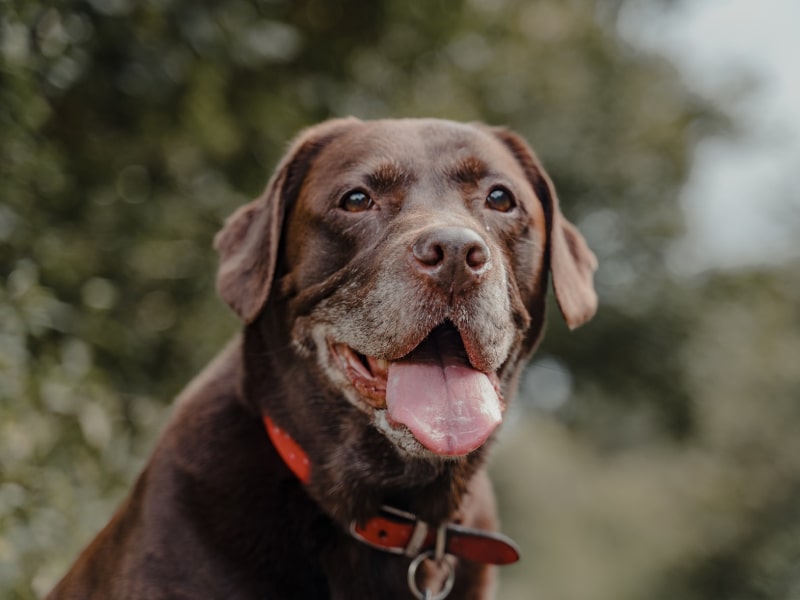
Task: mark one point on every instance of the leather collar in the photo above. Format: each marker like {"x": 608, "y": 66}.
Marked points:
{"x": 400, "y": 532}
{"x": 289, "y": 450}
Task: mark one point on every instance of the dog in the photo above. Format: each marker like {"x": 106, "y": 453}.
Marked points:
{"x": 392, "y": 282}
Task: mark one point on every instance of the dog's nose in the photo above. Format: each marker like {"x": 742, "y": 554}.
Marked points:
{"x": 452, "y": 256}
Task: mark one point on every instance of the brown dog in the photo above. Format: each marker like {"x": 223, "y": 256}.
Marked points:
{"x": 392, "y": 281}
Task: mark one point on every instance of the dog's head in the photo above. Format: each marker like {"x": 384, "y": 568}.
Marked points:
{"x": 407, "y": 262}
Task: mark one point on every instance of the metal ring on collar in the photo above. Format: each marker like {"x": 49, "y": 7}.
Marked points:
{"x": 412, "y": 578}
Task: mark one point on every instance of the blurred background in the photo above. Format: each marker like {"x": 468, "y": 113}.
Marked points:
{"x": 652, "y": 454}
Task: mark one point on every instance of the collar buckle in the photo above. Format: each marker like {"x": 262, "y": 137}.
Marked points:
{"x": 388, "y": 532}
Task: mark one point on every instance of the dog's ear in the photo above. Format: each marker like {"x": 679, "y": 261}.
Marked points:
{"x": 249, "y": 241}
{"x": 572, "y": 263}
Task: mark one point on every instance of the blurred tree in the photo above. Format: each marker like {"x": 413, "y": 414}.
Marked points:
{"x": 131, "y": 129}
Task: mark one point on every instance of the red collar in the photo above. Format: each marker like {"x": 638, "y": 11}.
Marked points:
{"x": 289, "y": 450}
{"x": 400, "y": 532}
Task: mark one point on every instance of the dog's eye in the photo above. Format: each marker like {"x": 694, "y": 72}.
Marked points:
{"x": 500, "y": 199}
{"x": 356, "y": 201}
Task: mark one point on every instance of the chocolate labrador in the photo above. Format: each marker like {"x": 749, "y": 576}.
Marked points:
{"x": 392, "y": 282}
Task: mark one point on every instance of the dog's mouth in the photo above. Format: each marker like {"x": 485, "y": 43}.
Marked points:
{"x": 449, "y": 406}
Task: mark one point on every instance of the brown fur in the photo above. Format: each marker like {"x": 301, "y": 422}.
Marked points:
{"x": 216, "y": 513}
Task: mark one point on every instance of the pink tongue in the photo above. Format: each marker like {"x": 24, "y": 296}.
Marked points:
{"x": 450, "y": 407}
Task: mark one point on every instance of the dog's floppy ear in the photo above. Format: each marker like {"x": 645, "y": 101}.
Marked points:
{"x": 572, "y": 263}
{"x": 248, "y": 243}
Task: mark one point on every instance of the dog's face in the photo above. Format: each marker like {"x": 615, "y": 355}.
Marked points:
{"x": 410, "y": 258}
{"x": 430, "y": 222}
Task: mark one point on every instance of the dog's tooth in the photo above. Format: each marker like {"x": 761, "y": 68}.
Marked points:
{"x": 379, "y": 366}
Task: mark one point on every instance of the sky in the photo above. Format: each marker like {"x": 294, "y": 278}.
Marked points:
{"x": 742, "y": 200}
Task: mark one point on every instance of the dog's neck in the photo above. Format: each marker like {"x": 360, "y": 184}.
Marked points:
{"x": 399, "y": 532}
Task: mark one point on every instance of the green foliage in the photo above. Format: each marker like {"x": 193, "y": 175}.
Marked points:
{"x": 129, "y": 130}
